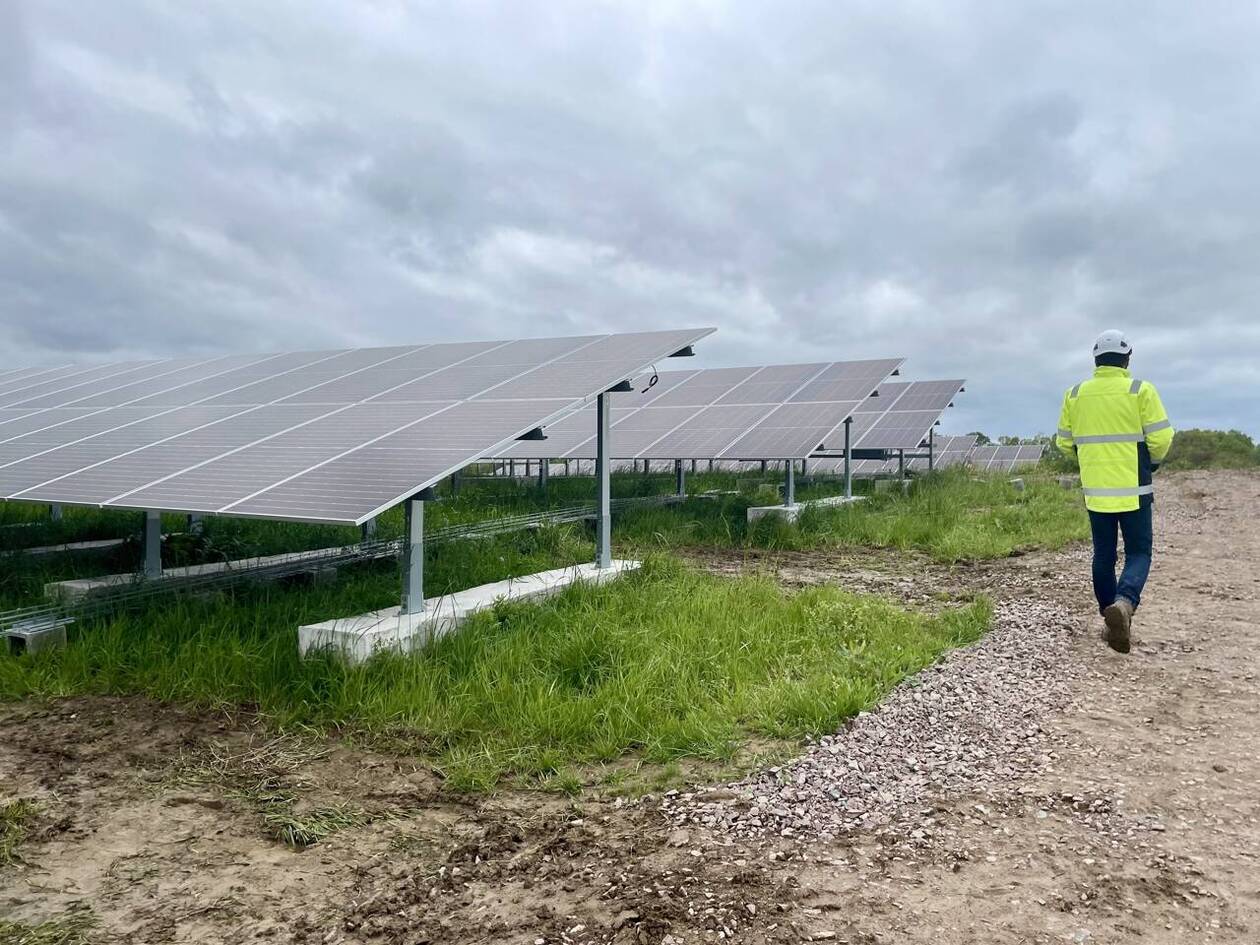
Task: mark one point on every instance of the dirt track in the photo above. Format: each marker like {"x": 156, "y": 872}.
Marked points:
{"x": 1143, "y": 825}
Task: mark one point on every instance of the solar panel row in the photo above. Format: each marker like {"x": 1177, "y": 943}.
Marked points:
{"x": 948, "y": 451}
{"x": 775, "y": 412}
{"x": 903, "y": 413}
{"x": 328, "y": 436}
{"x": 1007, "y": 458}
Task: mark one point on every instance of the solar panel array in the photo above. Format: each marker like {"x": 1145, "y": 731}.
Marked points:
{"x": 899, "y": 418}
{"x": 947, "y": 451}
{"x": 902, "y": 415}
{"x": 1006, "y": 458}
{"x": 778, "y": 412}
{"x": 326, "y": 436}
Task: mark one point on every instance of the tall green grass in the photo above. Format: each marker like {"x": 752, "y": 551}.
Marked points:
{"x": 667, "y": 663}
{"x": 28, "y": 525}
{"x": 951, "y": 515}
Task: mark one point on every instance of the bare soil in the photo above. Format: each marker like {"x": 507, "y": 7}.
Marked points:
{"x": 166, "y": 825}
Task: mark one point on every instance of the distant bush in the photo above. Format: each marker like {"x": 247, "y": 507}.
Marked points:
{"x": 1191, "y": 449}
{"x": 1212, "y": 449}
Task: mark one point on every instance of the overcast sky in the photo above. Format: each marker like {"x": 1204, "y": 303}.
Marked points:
{"x": 981, "y": 187}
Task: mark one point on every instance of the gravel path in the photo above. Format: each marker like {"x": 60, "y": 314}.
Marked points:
{"x": 969, "y": 726}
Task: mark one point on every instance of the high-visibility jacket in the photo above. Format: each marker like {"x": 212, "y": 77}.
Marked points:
{"x": 1119, "y": 430}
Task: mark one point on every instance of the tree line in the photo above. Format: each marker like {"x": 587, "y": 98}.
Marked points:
{"x": 1191, "y": 449}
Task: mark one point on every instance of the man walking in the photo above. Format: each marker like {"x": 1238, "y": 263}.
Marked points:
{"x": 1120, "y": 433}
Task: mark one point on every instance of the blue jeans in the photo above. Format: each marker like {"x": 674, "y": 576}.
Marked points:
{"x": 1138, "y": 535}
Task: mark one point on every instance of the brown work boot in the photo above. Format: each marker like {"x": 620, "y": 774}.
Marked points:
{"x": 1119, "y": 619}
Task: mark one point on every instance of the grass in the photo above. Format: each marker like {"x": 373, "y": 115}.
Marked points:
{"x": 70, "y": 928}
{"x": 25, "y": 525}
{"x": 301, "y": 830}
{"x": 952, "y": 515}
{"x": 670, "y": 663}
{"x": 448, "y": 567}
{"x": 606, "y": 683}
{"x": 256, "y": 776}
{"x": 16, "y": 820}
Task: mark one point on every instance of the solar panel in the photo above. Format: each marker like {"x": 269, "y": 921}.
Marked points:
{"x": 1007, "y": 458}
{"x": 901, "y": 417}
{"x": 325, "y": 436}
{"x": 775, "y": 412}
{"x": 1030, "y": 455}
{"x": 951, "y": 451}
{"x": 947, "y": 451}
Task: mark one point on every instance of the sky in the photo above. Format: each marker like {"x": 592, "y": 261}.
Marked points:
{"x": 980, "y": 187}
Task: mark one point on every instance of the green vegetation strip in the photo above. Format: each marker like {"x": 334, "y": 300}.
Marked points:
{"x": 668, "y": 663}
{"x": 953, "y": 515}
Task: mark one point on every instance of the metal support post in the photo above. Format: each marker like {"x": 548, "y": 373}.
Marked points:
{"x": 151, "y": 544}
{"x": 931, "y": 449}
{"x": 789, "y": 484}
{"x": 413, "y": 557}
{"x": 196, "y": 523}
{"x": 54, "y": 512}
{"x": 455, "y": 478}
{"x": 543, "y": 472}
{"x": 693, "y": 467}
{"x": 848, "y": 457}
{"x": 804, "y": 467}
{"x": 901, "y": 464}
{"x": 367, "y": 530}
{"x": 603, "y": 521}
{"x": 680, "y": 478}
{"x": 763, "y": 467}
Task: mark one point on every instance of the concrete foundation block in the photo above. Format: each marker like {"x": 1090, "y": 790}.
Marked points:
{"x": 1017, "y": 484}
{"x": 75, "y": 546}
{"x": 793, "y": 512}
{"x": 358, "y": 638}
{"x": 36, "y": 635}
{"x": 82, "y": 587}
{"x": 1069, "y": 482}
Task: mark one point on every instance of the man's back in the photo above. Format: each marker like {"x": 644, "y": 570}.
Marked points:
{"x": 1120, "y": 431}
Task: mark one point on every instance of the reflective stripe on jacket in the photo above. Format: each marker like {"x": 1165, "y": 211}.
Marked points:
{"x": 1118, "y": 428}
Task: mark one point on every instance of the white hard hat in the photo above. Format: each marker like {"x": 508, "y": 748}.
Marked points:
{"x": 1112, "y": 341}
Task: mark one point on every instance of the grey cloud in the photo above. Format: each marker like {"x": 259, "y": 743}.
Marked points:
{"x": 980, "y": 188}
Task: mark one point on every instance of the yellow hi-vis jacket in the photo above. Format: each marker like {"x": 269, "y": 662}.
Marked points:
{"x": 1119, "y": 429}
